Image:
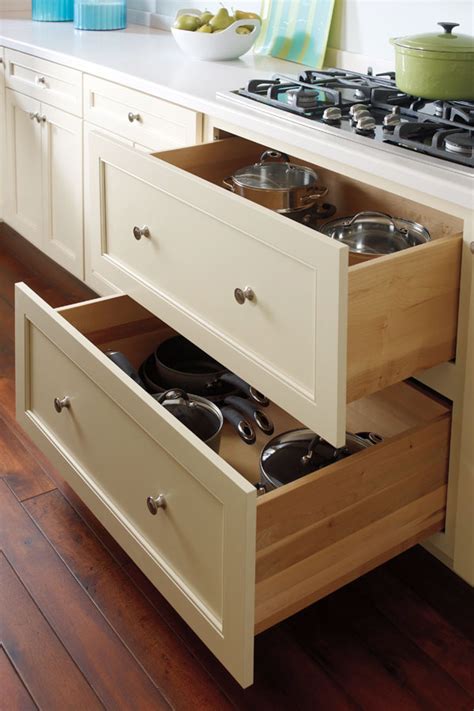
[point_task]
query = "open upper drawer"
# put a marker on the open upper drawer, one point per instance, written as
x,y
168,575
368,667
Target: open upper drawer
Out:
x,y
318,333
231,563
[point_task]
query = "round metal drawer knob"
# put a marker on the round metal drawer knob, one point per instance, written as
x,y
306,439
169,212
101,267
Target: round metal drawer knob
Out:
x,y
41,80
243,295
139,232
134,117
155,503
61,403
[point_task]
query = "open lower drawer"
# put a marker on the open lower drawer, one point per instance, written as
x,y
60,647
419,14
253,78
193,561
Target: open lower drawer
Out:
x,y
318,333
231,563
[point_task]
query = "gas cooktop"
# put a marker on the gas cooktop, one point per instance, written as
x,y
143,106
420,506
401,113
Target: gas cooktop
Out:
x,y
369,106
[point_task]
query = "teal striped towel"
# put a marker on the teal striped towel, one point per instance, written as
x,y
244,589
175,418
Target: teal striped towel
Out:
x,y
296,30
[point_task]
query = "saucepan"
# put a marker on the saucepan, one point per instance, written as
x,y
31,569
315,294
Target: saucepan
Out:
x,y
198,414
372,234
296,453
277,184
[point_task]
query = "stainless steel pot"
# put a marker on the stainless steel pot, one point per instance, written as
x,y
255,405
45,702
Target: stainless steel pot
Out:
x,y
197,413
277,184
291,455
373,234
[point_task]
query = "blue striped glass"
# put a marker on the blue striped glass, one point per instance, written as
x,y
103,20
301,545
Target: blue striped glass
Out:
x,y
52,10
100,14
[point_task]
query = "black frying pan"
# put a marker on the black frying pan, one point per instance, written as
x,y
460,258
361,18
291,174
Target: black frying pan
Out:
x,y
179,363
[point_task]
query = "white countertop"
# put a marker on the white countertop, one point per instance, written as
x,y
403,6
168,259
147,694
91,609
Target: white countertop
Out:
x,y
150,61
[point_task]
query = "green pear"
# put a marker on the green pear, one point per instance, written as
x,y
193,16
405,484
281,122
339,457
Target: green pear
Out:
x,y
241,15
205,17
187,22
205,28
221,20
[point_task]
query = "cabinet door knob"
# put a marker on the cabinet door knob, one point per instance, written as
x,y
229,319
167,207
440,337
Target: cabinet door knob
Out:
x,y
134,117
41,118
139,232
41,80
33,115
243,295
155,503
61,403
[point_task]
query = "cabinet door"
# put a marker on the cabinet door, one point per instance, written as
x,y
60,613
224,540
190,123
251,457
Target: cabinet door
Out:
x,y
23,192
62,188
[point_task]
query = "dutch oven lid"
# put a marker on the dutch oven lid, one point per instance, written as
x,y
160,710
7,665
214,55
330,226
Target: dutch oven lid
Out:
x,y
446,41
275,172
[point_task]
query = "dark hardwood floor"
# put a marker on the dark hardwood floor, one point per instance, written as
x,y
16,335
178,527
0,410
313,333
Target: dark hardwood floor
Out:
x,y
82,628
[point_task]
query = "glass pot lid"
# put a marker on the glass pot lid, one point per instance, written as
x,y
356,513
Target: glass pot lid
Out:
x,y
376,233
275,172
443,41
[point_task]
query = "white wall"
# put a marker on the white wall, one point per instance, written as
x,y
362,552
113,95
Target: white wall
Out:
x,y
365,26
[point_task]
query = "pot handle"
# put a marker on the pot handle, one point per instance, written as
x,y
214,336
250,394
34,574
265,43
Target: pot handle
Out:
x,y
243,428
371,437
273,157
229,183
365,213
448,27
316,194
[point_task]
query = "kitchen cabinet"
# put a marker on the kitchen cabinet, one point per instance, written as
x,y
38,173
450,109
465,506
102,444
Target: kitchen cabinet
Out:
x,y
231,563
24,187
44,186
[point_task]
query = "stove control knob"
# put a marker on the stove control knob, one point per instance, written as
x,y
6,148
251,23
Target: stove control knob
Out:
x,y
332,114
392,119
359,114
365,123
357,107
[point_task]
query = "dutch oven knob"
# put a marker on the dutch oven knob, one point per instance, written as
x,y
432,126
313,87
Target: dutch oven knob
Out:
x,y
243,295
448,27
155,503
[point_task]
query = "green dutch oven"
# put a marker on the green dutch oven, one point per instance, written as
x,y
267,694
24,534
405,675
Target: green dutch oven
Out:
x,y
436,65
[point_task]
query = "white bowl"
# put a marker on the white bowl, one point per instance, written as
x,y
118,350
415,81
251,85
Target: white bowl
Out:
x,y
216,46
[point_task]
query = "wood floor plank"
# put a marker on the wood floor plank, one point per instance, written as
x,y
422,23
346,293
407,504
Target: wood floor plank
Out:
x,y
46,668
349,661
434,583
112,671
403,659
14,695
445,644
19,468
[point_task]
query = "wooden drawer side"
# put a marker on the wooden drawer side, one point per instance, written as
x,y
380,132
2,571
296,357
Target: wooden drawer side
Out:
x,y
341,522
411,324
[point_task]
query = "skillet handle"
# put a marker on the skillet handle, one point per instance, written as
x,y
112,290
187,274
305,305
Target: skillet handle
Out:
x,y
245,388
243,428
250,410
124,364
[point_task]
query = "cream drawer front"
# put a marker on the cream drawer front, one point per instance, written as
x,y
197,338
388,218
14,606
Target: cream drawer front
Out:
x,y
139,117
46,81
199,246
116,448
